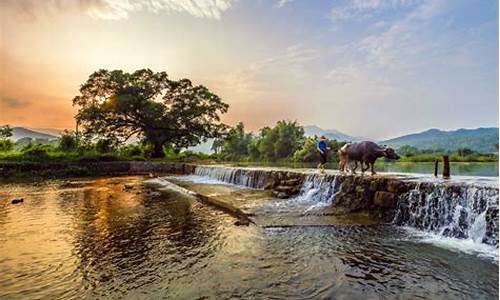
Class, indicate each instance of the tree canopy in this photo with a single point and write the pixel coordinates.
(116, 104)
(5, 132)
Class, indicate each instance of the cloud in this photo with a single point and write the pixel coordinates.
(11, 102)
(121, 9)
(255, 78)
(403, 46)
(357, 9)
(282, 3)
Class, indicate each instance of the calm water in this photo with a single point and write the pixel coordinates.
(457, 168)
(115, 238)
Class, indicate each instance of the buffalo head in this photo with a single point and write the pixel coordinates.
(390, 153)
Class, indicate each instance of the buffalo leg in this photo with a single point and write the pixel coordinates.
(363, 169)
(373, 168)
(353, 170)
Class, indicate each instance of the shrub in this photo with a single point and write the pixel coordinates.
(6, 145)
(106, 145)
(132, 151)
(68, 141)
(37, 152)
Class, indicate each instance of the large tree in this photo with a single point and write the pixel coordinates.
(116, 104)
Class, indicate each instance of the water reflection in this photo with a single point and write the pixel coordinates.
(115, 238)
(488, 169)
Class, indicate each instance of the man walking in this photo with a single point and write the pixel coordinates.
(323, 154)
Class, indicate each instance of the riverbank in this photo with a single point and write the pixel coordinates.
(40, 170)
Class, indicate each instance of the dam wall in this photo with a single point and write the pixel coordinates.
(453, 208)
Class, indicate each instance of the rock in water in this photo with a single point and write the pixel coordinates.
(17, 201)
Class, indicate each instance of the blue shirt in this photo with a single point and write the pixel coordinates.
(322, 145)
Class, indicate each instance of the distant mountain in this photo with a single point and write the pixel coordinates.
(50, 131)
(21, 132)
(332, 134)
(480, 139)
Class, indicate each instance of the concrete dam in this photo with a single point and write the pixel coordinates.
(461, 208)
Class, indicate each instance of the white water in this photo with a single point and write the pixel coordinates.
(459, 212)
(244, 177)
(452, 218)
(468, 246)
(317, 192)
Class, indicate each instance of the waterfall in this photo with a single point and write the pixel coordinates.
(318, 191)
(245, 177)
(465, 212)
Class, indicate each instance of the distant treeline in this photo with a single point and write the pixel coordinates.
(285, 142)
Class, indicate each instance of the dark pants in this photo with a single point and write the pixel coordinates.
(322, 157)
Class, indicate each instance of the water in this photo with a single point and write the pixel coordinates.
(115, 238)
(489, 169)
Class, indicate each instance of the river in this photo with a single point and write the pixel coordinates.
(486, 169)
(116, 237)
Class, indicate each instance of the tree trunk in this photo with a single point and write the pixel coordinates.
(158, 150)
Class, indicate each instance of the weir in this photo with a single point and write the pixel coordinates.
(459, 208)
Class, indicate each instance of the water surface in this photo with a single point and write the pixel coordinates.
(115, 238)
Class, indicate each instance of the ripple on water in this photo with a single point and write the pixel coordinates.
(99, 239)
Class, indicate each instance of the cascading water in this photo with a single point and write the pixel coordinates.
(465, 212)
(317, 191)
(245, 177)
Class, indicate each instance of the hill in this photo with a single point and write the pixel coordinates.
(332, 134)
(481, 140)
(21, 132)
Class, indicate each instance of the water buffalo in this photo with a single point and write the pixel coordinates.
(365, 152)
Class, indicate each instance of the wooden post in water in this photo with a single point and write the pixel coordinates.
(436, 165)
(446, 166)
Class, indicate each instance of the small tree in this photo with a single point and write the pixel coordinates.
(5, 132)
(236, 143)
(68, 141)
(282, 140)
(5, 143)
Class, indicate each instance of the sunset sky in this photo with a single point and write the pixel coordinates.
(375, 68)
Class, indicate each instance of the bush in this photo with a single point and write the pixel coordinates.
(6, 145)
(37, 152)
(132, 151)
(68, 141)
(106, 145)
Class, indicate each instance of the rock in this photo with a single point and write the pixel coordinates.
(280, 195)
(242, 222)
(128, 186)
(385, 199)
(285, 189)
(270, 183)
(17, 201)
(291, 182)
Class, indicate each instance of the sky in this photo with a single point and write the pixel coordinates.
(373, 68)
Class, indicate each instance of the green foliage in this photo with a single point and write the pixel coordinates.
(68, 141)
(281, 141)
(309, 152)
(106, 145)
(412, 154)
(37, 152)
(464, 152)
(6, 145)
(236, 143)
(132, 151)
(5, 132)
(119, 104)
(217, 145)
